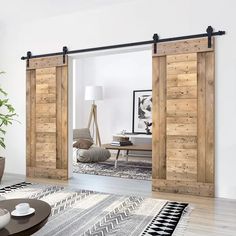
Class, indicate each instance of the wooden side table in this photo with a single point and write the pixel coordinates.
(25, 225)
(138, 147)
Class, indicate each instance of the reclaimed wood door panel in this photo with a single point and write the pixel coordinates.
(206, 117)
(181, 106)
(182, 92)
(47, 143)
(159, 122)
(181, 142)
(184, 46)
(181, 126)
(183, 117)
(182, 80)
(46, 116)
(185, 67)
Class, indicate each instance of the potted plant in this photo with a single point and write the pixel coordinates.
(7, 114)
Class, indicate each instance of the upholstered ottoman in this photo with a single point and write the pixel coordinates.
(93, 154)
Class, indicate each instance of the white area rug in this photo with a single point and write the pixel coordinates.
(81, 212)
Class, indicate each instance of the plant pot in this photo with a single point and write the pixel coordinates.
(2, 166)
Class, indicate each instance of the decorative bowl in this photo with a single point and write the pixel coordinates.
(4, 217)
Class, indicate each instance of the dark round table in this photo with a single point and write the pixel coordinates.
(25, 225)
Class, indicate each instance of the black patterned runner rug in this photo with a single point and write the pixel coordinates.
(82, 212)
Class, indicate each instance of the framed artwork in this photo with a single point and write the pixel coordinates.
(142, 111)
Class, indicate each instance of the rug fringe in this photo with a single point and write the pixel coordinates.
(183, 223)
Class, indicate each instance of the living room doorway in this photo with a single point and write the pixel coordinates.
(119, 79)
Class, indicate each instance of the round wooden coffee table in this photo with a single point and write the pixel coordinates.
(25, 225)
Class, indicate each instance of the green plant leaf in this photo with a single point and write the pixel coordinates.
(2, 131)
(7, 114)
(2, 144)
(3, 92)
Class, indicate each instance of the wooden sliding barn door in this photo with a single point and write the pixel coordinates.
(183, 117)
(47, 144)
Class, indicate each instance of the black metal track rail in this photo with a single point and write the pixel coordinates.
(209, 34)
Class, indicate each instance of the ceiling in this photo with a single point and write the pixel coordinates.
(21, 10)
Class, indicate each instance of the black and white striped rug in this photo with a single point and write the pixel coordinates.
(82, 212)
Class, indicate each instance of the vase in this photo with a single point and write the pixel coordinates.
(4, 218)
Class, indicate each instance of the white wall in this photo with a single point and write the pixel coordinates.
(119, 74)
(123, 23)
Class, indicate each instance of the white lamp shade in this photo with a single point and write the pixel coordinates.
(93, 93)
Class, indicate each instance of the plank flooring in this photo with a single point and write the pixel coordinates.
(210, 216)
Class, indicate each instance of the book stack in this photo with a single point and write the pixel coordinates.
(121, 141)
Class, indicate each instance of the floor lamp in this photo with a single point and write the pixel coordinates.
(94, 93)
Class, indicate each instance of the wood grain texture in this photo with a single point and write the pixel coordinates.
(201, 117)
(45, 62)
(189, 117)
(206, 117)
(181, 164)
(59, 117)
(46, 117)
(178, 170)
(45, 98)
(183, 46)
(155, 115)
(30, 113)
(32, 118)
(49, 173)
(159, 121)
(176, 68)
(210, 121)
(181, 142)
(162, 117)
(179, 80)
(185, 126)
(181, 117)
(187, 79)
(181, 107)
(186, 57)
(183, 187)
(47, 101)
(64, 118)
(46, 137)
(45, 126)
(182, 92)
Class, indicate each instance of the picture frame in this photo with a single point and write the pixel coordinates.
(142, 111)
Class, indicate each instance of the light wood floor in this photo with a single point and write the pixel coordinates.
(209, 216)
